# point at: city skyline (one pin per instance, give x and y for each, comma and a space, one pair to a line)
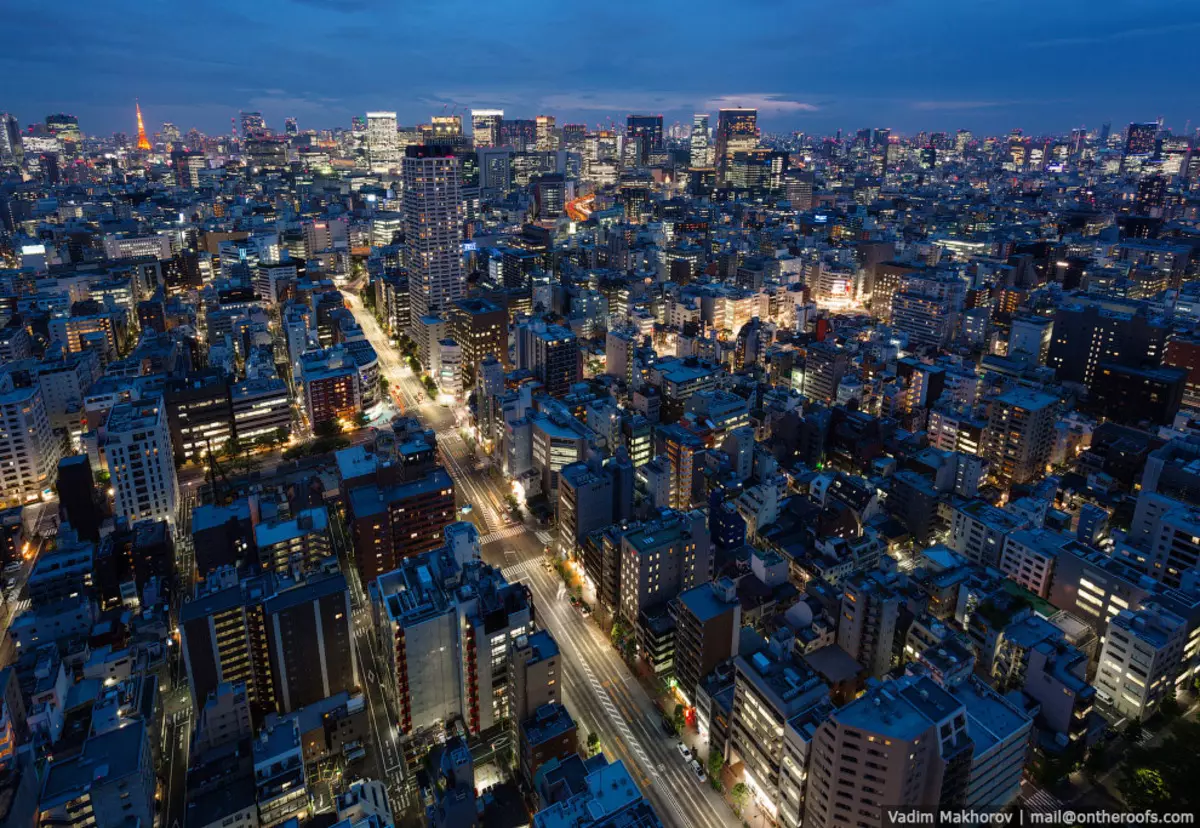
929, 68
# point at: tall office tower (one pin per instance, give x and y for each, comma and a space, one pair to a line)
310, 640
1140, 139
253, 124
914, 735
11, 151
737, 131
485, 127
446, 130
140, 461
290, 127
573, 138
383, 144
188, 165
27, 443
519, 133
648, 129
433, 229
547, 140
701, 152
1020, 434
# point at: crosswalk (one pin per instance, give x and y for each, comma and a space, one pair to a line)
545, 537
510, 532
19, 607
514, 572
1042, 802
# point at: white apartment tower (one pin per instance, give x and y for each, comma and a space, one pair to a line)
140, 463
433, 230
29, 452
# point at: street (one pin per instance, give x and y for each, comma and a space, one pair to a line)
599, 690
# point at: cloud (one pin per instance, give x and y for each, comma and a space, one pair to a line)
1113, 37
938, 106
767, 103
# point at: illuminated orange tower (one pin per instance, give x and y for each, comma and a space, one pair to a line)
143, 142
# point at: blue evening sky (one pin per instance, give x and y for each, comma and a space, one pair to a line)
811, 65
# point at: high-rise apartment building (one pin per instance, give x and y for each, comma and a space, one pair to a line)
708, 623
383, 142
1116, 332
391, 520
660, 559
867, 628
140, 462
446, 623
1020, 434
433, 229
485, 127
27, 444
902, 744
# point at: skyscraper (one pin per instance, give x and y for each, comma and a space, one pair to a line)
647, 129
485, 126
701, 155
253, 124
10, 140
383, 145
547, 140
433, 228
737, 131
1139, 138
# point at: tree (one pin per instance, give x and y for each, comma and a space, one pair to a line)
361, 419
679, 718
593, 743
327, 428
716, 763
281, 435
1144, 789
741, 795
429, 384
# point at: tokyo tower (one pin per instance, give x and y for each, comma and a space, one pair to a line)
143, 143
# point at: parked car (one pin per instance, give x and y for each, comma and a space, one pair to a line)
667, 727
684, 752
696, 769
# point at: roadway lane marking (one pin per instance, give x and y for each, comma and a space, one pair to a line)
510, 532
